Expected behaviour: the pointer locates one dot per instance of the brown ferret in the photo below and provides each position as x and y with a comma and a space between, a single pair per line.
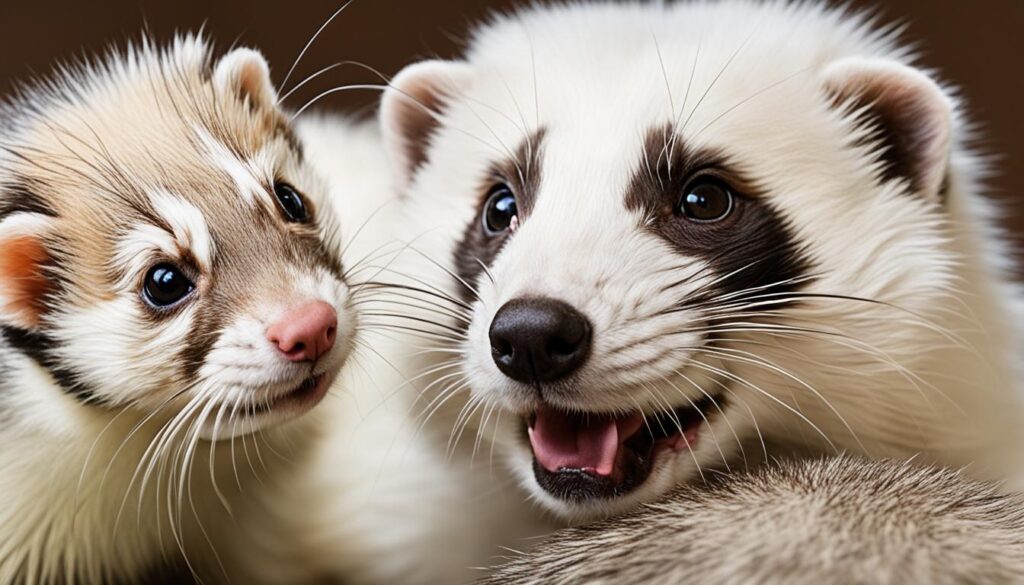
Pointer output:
172, 299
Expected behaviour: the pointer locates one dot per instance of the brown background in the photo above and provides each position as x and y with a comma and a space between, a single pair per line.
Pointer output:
978, 45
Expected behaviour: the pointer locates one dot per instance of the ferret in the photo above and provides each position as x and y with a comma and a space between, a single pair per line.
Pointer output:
379, 498
676, 239
172, 305
829, 520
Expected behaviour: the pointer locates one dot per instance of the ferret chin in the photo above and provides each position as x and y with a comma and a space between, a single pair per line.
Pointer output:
172, 306
686, 237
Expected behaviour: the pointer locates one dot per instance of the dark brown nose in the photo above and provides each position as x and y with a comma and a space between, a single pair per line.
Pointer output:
306, 332
539, 339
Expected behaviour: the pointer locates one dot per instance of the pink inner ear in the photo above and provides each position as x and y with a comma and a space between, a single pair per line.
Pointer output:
21, 278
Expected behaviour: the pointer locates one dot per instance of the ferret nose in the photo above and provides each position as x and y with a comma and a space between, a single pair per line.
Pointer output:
539, 339
305, 333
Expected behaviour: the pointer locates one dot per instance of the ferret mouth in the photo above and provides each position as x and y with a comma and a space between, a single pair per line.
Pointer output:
250, 416
302, 398
580, 456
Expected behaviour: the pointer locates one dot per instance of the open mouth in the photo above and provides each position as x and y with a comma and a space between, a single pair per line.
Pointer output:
305, 396
581, 456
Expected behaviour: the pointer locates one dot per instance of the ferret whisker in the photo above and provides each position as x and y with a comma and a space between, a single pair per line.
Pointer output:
92, 448
677, 117
750, 98
312, 39
671, 100
717, 77
707, 423
449, 391
421, 286
185, 483
145, 461
420, 304
669, 412
481, 431
135, 429
508, 151
758, 361
368, 260
324, 70
445, 387
218, 419
246, 412
388, 286
334, 90
405, 317
486, 270
460, 424
835, 337
824, 366
524, 127
432, 335
766, 394
451, 273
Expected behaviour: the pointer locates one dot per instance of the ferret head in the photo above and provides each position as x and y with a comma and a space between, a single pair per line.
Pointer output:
163, 244
668, 223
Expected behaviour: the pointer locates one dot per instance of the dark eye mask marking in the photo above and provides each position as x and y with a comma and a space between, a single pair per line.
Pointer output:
523, 175
751, 248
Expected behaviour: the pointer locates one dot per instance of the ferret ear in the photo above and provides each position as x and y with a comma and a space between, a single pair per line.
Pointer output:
411, 108
910, 114
23, 259
245, 73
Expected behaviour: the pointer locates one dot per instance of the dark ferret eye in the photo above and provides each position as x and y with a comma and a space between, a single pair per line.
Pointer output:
166, 285
291, 203
706, 200
500, 209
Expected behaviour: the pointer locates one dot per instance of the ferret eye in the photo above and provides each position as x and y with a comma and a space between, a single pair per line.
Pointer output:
166, 285
500, 209
291, 203
706, 200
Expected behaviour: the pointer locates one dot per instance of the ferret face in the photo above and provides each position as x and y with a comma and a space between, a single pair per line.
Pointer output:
166, 248
658, 216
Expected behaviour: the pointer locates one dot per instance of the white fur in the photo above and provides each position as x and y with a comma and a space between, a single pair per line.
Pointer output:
110, 487
189, 227
243, 174
935, 369
380, 503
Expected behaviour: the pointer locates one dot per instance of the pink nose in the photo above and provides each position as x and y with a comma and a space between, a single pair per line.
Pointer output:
305, 333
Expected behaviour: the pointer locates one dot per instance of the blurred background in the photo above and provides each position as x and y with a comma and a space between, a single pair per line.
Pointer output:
971, 43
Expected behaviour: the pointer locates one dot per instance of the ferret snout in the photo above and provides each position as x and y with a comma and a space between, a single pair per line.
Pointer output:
305, 333
539, 339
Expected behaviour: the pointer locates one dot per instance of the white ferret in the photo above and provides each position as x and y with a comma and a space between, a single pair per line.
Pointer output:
682, 237
380, 498
172, 303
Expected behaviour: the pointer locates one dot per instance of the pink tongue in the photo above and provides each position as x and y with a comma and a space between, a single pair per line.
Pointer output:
580, 441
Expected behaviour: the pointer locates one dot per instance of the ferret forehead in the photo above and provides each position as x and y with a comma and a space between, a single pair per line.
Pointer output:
601, 31
558, 59
737, 78
143, 102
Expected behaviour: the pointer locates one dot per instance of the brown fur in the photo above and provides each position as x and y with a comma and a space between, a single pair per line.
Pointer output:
835, 520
